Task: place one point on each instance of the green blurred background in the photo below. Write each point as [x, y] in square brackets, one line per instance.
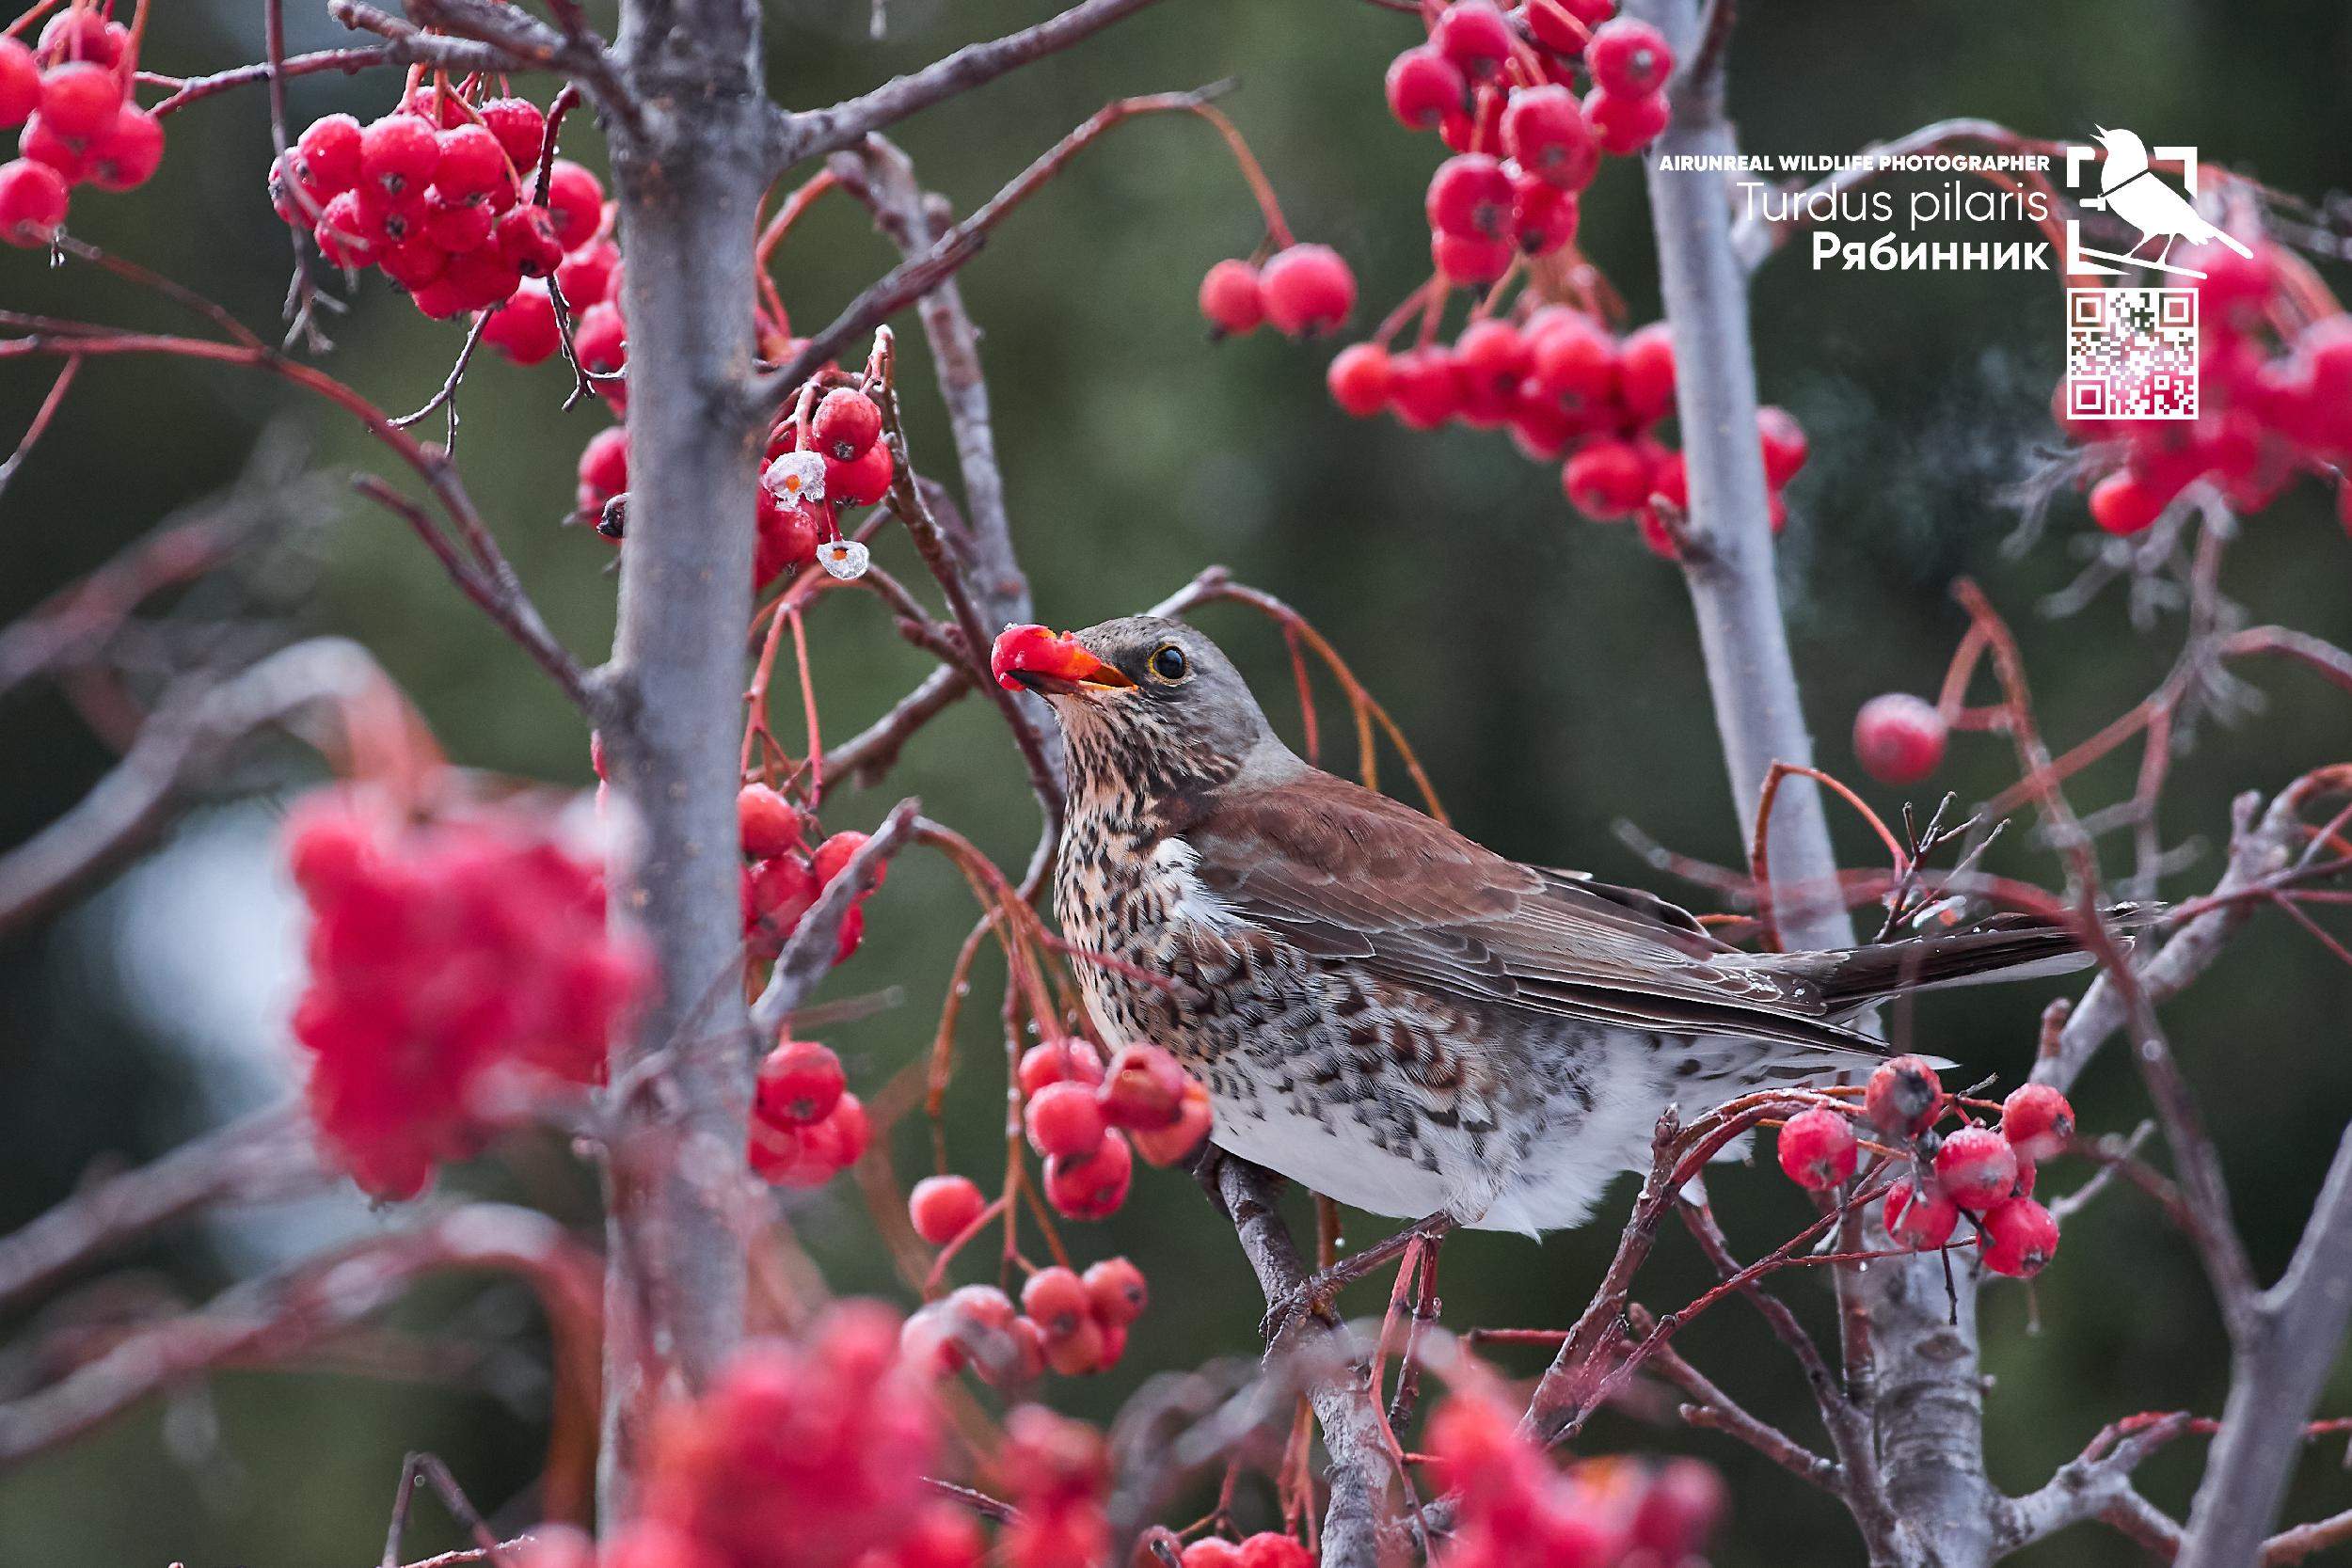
[1543, 667]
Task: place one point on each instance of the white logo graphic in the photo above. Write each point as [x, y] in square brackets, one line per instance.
[2130, 189]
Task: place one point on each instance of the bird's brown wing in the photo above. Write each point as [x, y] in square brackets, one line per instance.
[1350, 875]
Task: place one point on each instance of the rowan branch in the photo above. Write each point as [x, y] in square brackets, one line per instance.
[2085, 1487]
[809, 953]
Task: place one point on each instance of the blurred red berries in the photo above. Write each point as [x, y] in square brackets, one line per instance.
[1898, 738]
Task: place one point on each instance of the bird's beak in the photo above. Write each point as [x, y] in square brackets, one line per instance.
[1030, 658]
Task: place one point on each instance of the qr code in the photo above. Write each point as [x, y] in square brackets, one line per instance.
[2131, 353]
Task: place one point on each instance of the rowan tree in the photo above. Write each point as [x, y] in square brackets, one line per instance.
[643, 970]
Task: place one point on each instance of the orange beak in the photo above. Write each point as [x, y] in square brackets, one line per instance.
[1030, 658]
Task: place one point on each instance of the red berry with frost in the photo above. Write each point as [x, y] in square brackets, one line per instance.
[863, 480]
[398, 154]
[586, 275]
[1116, 1293]
[2020, 1237]
[2125, 502]
[1470, 196]
[1425, 87]
[526, 242]
[1645, 373]
[328, 157]
[1464, 260]
[1902, 1095]
[1091, 1188]
[2037, 1121]
[471, 161]
[846, 424]
[600, 340]
[1543, 218]
[1784, 443]
[575, 203]
[1144, 1090]
[1358, 379]
[457, 224]
[768, 825]
[1056, 1300]
[1920, 1224]
[524, 328]
[1622, 125]
[1070, 1060]
[1817, 1149]
[1629, 58]
[1544, 132]
[1475, 36]
[342, 234]
[1976, 1167]
[1269, 1549]
[799, 1082]
[80, 100]
[1606, 481]
[1898, 738]
[32, 203]
[1308, 289]
[943, 1207]
[519, 128]
[1065, 1119]
[1231, 299]
[20, 83]
[1424, 387]
[832, 857]
[1167, 1144]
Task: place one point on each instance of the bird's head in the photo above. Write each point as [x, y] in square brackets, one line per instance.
[1143, 698]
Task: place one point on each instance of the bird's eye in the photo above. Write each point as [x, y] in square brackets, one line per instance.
[1169, 663]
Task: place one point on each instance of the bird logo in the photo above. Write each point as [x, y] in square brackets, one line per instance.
[2130, 189]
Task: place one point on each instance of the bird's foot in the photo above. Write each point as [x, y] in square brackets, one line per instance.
[1313, 1296]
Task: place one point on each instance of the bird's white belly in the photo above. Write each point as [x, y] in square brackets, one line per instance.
[1334, 1155]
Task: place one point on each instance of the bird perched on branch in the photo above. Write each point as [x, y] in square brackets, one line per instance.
[1382, 1009]
[2129, 188]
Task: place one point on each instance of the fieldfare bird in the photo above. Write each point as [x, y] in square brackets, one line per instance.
[1381, 1009]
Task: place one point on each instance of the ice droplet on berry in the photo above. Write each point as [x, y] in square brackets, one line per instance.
[844, 558]
[798, 477]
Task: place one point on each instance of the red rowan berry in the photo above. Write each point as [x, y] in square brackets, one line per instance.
[526, 242]
[457, 224]
[768, 825]
[1492, 358]
[1469, 194]
[1056, 1300]
[1167, 1144]
[33, 201]
[1425, 87]
[1116, 1293]
[1541, 429]
[2019, 1238]
[20, 83]
[586, 275]
[1091, 1188]
[1269, 1549]
[519, 127]
[943, 1208]
[799, 1082]
[1543, 218]
[1629, 58]
[441, 299]
[1144, 1090]
[328, 157]
[787, 539]
[125, 155]
[481, 278]
[1077, 1353]
[1465, 261]
[1898, 738]
[1645, 373]
[604, 464]
[863, 480]
[1068, 1060]
[1358, 379]
[43, 143]
[80, 100]
[1920, 1224]
[1308, 289]
[471, 161]
[846, 424]
[777, 893]
[1684, 1503]
[1816, 1148]
[524, 328]
[1976, 1167]
[435, 104]
[1575, 362]
[1474, 35]
[1606, 481]
[1784, 443]
[1065, 1119]
[342, 232]
[1211, 1552]
[600, 340]
[832, 857]
[1902, 1097]
[2037, 1121]
[575, 203]
[1624, 126]
[2126, 502]
[82, 33]
[1544, 131]
[1231, 299]
[1424, 387]
[811, 1155]
[398, 154]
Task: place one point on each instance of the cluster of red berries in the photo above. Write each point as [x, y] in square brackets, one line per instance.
[785, 876]
[827, 455]
[1072, 1322]
[1516, 1509]
[443, 957]
[803, 1454]
[1088, 1122]
[1986, 1174]
[1265, 1549]
[2275, 390]
[435, 195]
[1305, 290]
[1057, 1472]
[806, 1127]
[72, 93]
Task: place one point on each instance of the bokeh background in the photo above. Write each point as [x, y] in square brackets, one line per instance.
[1545, 667]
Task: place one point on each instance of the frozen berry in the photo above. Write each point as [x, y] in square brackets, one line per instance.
[519, 128]
[1816, 1148]
[32, 203]
[327, 157]
[342, 232]
[1116, 1293]
[1425, 87]
[2037, 1121]
[943, 1207]
[1065, 1119]
[1976, 1167]
[1231, 299]
[1475, 36]
[2020, 1236]
[1358, 379]
[1920, 1224]
[1307, 289]
[471, 161]
[846, 424]
[1902, 1097]
[1898, 738]
[1211, 1552]
[398, 154]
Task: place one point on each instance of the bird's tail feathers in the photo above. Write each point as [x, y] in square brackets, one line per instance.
[2006, 947]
